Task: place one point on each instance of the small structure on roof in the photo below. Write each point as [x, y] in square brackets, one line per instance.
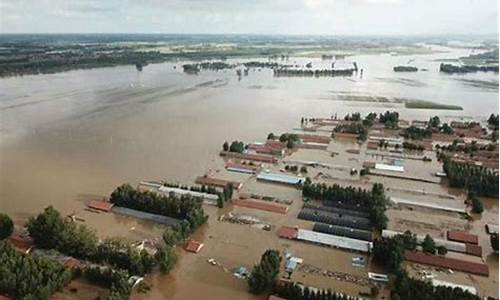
[193, 246]
[100, 205]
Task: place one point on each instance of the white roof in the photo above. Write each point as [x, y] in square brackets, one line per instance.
[166, 189]
[334, 240]
[492, 228]
[385, 167]
[427, 204]
[343, 65]
[466, 288]
[450, 245]
[279, 178]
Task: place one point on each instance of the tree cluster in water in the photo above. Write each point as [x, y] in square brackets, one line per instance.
[50, 231]
[375, 200]
[29, 277]
[263, 276]
[479, 180]
[183, 207]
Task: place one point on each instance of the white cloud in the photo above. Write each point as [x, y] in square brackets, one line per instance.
[348, 17]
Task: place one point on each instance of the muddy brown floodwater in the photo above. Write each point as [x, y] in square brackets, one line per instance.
[68, 137]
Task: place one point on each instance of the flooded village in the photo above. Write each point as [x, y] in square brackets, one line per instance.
[178, 182]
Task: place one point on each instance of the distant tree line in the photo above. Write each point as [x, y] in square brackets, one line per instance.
[405, 69]
[288, 72]
[450, 69]
[468, 148]
[293, 291]
[478, 180]
[375, 200]
[29, 277]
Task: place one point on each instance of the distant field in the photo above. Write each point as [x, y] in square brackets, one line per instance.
[421, 104]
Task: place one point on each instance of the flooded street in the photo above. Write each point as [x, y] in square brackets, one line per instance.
[68, 137]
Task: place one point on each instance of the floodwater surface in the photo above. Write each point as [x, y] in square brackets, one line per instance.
[68, 137]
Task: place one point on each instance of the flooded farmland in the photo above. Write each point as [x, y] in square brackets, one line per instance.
[69, 137]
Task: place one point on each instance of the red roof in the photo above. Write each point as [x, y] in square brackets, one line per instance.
[215, 182]
[242, 166]
[448, 263]
[247, 156]
[3, 297]
[262, 205]
[464, 237]
[346, 135]
[100, 205]
[475, 250]
[193, 246]
[23, 243]
[72, 263]
[315, 138]
[287, 232]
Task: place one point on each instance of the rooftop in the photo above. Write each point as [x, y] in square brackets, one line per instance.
[193, 246]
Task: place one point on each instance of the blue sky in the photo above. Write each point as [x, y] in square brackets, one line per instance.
[343, 17]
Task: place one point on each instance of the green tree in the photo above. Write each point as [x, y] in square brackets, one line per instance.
[494, 241]
[271, 136]
[237, 146]
[409, 240]
[225, 146]
[6, 226]
[389, 252]
[477, 204]
[166, 257]
[441, 250]
[263, 276]
[434, 122]
[428, 245]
